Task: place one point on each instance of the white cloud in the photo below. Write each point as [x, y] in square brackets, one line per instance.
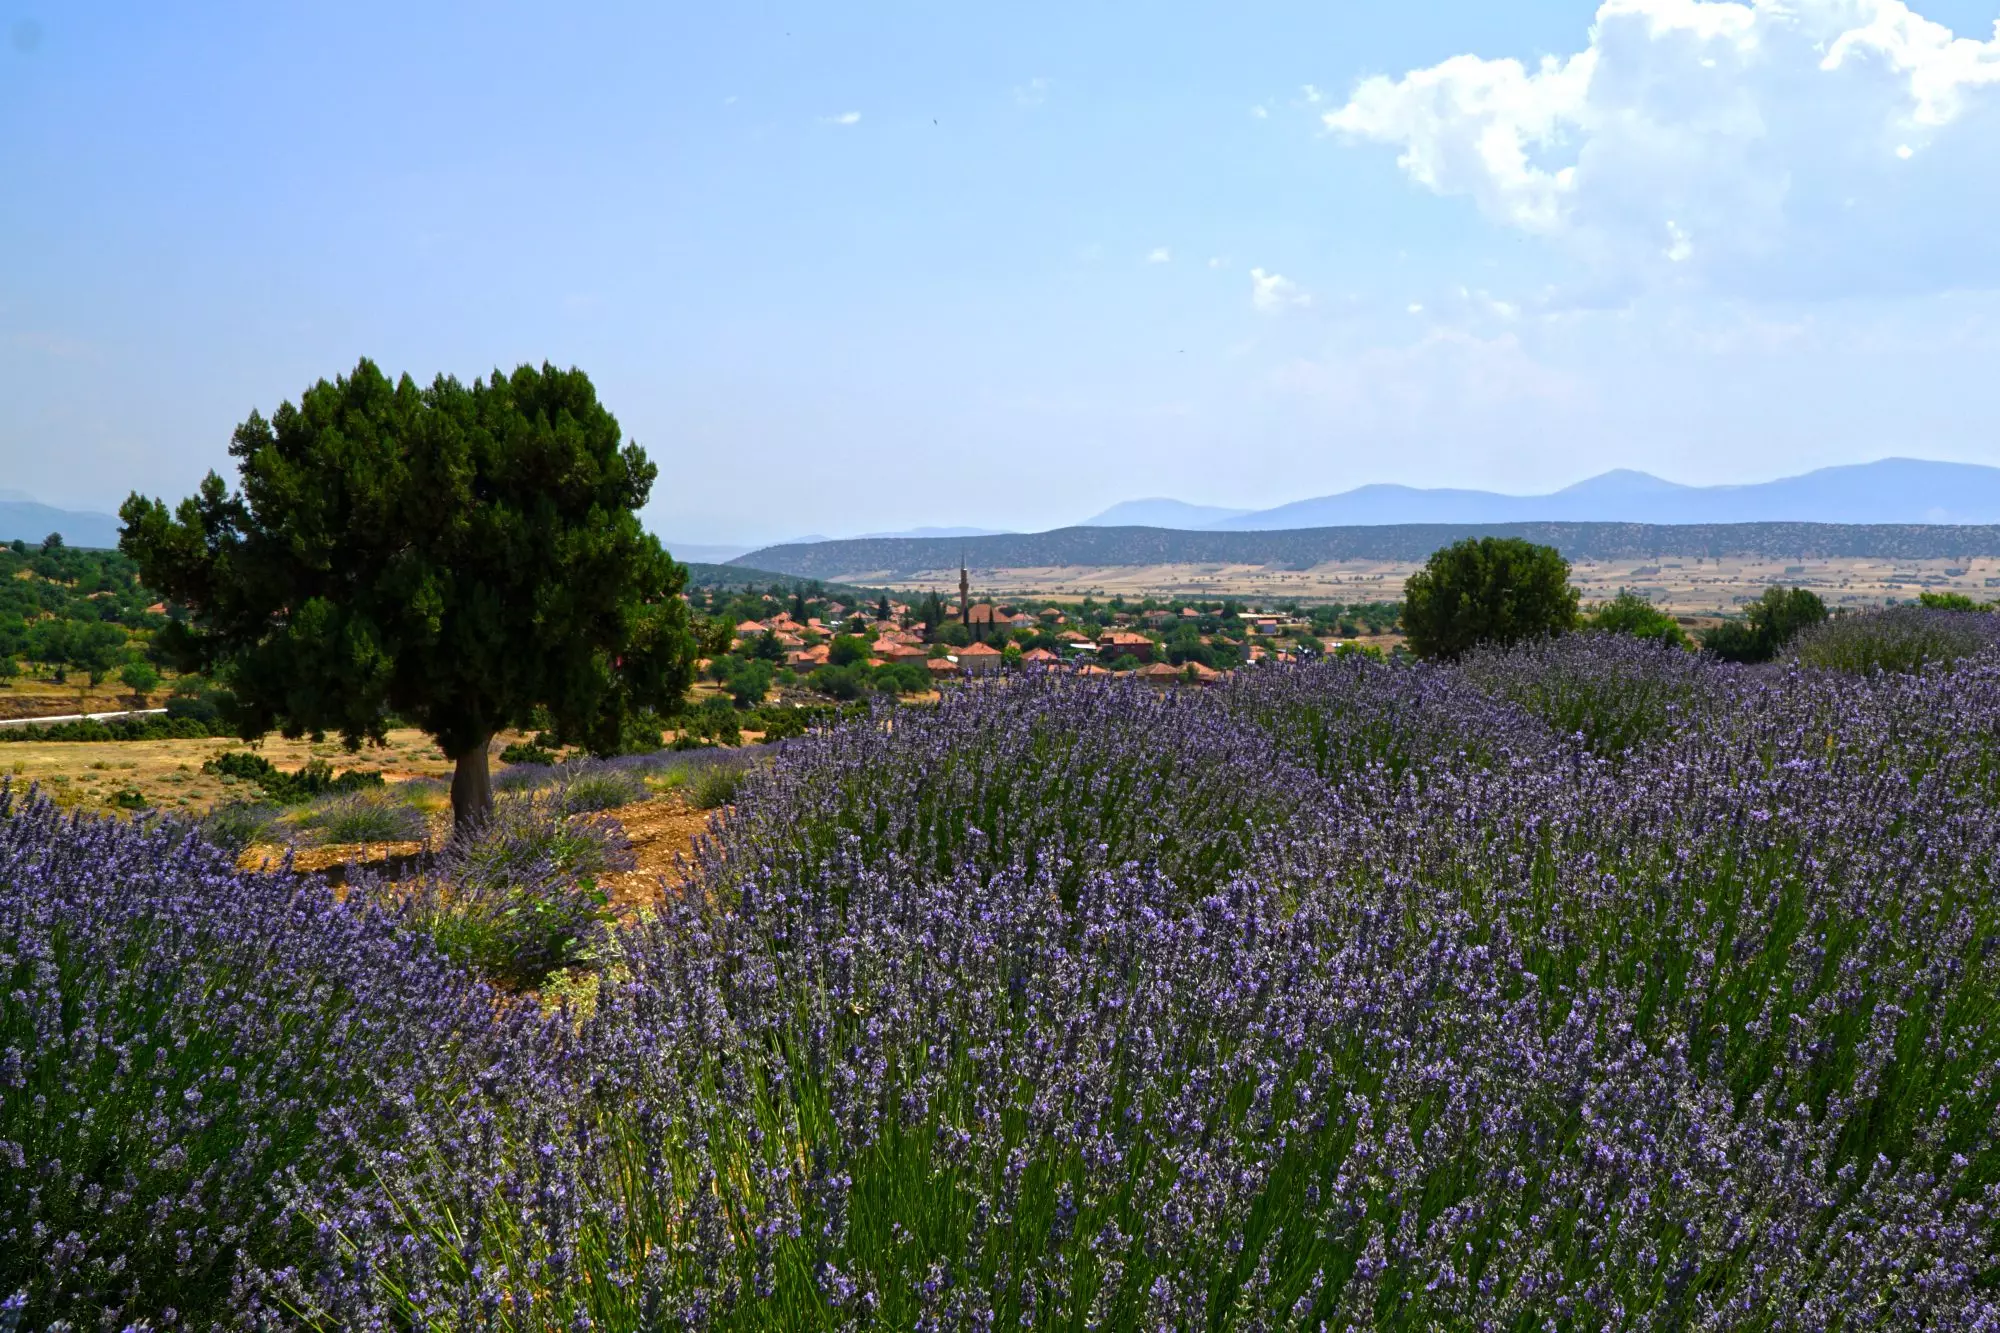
[1723, 138]
[1218, 261]
[1032, 93]
[1273, 293]
[844, 118]
[1259, 112]
[1159, 254]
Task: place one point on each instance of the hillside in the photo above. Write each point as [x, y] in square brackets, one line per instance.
[866, 559]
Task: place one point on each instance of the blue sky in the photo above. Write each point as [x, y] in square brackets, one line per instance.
[852, 267]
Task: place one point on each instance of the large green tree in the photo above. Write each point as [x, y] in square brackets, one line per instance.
[1497, 590]
[457, 555]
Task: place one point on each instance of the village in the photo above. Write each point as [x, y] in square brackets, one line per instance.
[934, 642]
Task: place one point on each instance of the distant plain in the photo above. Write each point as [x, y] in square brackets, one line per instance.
[1685, 587]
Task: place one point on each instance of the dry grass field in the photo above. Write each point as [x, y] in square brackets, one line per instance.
[1686, 587]
[168, 773]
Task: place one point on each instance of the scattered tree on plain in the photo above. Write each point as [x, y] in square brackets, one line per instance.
[1629, 613]
[455, 555]
[1768, 624]
[1487, 590]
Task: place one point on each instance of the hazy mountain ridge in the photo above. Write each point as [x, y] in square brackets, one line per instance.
[30, 521]
[1890, 490]
[871, 560]
[1160, 512]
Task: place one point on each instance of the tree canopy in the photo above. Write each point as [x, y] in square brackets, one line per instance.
[1629, 613]
[1498, 590]
[1768, 624]
[458, 555]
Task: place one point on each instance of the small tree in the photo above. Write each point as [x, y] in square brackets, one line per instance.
[1498, 590]
[50, 644]
[141, 678]
[10, 667]
[1768, 624]
[846, 650]
[97, 650]
[1629, 613]
[456, 555]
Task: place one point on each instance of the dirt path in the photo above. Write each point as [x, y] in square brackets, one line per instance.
[662, 833]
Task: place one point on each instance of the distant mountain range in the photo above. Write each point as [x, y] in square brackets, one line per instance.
[27, 520]
[1891, 490]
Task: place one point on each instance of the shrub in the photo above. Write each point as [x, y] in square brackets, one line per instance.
[359, 816]
[530, 837]
[1950, 601]
[519, 898]
[1487, 590]
[1768, 624]
[315, 778]
[237, 824]
[714, 786]
[1899, 638]
[715, 722]
[1629, 613]
[590, 789]
[526, 752]
[840, 683]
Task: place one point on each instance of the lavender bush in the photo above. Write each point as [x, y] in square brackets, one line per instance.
[1352, 996]
[518, 899]
[179, 1044]
[1898, 638]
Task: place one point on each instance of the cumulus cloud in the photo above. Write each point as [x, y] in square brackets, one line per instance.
[1274, 293]
[844, 118]
[1768, 141]
[1159, 254]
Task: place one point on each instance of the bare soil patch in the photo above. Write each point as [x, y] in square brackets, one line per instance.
[662, 833]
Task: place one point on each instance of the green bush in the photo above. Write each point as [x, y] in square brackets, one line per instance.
[600, 789]
[353, 817]
[526, 752]
[237, 824]
[1629, 613]
[715, 786]
[1768, 624]
[840, 682]
[316, 778]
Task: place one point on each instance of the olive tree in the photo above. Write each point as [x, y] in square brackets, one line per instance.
[457, 555]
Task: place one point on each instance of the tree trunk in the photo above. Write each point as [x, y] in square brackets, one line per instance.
[471, 790]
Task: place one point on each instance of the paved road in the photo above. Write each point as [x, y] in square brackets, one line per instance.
[79, 717]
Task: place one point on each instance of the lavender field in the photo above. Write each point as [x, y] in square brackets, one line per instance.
[1592, 986]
